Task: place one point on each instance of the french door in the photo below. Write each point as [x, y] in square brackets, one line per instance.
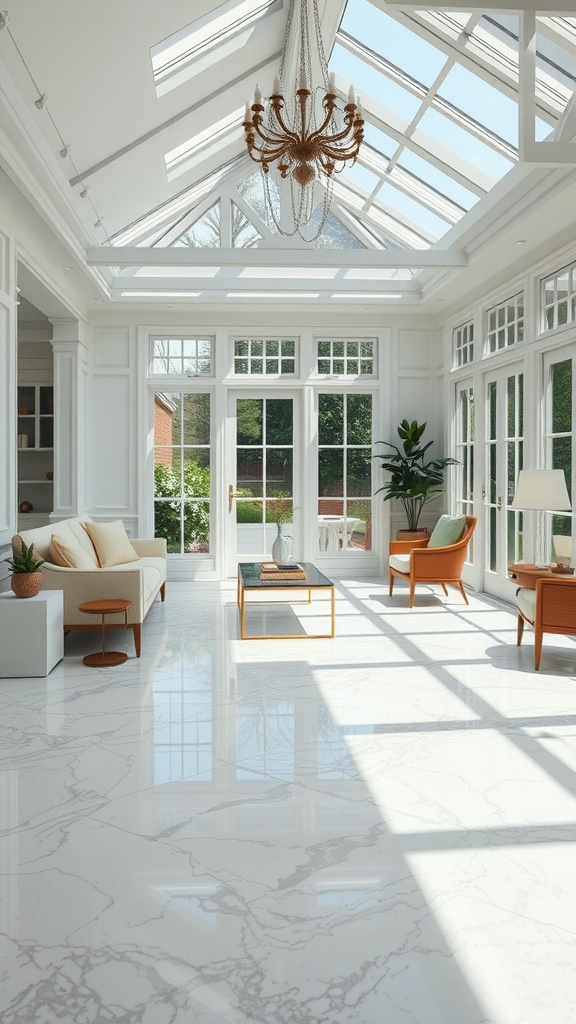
[262, 445]
[503, 458]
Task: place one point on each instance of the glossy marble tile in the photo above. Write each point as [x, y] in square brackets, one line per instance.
[375, 829]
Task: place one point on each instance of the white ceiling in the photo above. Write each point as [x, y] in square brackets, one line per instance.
[93, 62]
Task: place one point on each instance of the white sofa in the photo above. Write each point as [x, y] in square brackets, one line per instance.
[139, 581]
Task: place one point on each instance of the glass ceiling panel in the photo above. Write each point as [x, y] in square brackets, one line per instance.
[357, 175]
[369, 82]
[337, 236]
[556, 60]
[204, 234]
[420, 216]
[437, 179]
[461, 142]
[244, 234]
[379, 140]
[393, 41]
[488, 106]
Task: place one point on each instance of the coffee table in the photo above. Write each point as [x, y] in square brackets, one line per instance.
[249, 581]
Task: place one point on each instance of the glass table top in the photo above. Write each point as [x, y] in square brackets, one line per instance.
[250, 574]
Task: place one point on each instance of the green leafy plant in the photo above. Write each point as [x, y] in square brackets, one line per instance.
[25, 561]
[413, 482]
[192, 532]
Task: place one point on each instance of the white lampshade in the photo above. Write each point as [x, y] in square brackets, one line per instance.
[543, 490]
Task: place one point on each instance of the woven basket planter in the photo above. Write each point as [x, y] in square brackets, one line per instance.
[27, 584]
[411, 534]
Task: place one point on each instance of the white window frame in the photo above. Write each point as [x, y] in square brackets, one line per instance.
[331, 359]
[504, 324]
[182, 374]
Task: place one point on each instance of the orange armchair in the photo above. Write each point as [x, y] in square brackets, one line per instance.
[430, 565]
[550, 608]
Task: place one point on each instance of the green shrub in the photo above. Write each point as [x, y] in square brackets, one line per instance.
[195, 483]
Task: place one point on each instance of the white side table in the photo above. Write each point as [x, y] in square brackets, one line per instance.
[31, 633]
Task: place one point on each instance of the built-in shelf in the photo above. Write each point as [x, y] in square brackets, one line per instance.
[35, 446]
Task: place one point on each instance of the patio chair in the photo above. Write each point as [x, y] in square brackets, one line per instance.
[549, 608]
[418, 562]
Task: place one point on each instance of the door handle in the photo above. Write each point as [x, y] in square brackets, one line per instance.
[231, 495]
[499, 504]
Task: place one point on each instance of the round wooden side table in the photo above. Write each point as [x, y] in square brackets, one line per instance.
[106, 607]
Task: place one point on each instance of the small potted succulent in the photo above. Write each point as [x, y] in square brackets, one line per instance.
[24, 566]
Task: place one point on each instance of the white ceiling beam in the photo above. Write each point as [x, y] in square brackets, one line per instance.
[538, 6]
[158, 288]
[112, 256]
[527, 82]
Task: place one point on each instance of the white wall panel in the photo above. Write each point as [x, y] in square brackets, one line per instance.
[113, 469]
[414, 349]
[112, 348]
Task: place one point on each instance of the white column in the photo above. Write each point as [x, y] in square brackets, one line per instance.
[70, 378]
[8, 383]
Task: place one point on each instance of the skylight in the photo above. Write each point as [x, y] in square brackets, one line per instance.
[205, 143]
[174, 57]
[395, 43]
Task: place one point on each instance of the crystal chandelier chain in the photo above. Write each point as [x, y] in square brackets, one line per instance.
[303, 138]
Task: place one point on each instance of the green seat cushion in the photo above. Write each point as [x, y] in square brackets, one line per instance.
[447, 531]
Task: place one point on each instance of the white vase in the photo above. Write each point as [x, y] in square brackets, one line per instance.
[280, 547]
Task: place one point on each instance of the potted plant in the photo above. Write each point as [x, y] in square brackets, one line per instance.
[24, 566]
[412, 481]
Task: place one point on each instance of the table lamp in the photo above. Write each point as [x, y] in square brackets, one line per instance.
[541, 490]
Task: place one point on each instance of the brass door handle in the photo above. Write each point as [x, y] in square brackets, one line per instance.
[499, 504]
[231, 495]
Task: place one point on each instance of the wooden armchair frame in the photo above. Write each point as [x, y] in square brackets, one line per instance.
[432, 565]
[554, 611]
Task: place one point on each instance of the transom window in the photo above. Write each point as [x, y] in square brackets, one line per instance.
[505, 324]
[350, 357]
[185, 356]
[464, 344]
[559, 298]
[265, 356]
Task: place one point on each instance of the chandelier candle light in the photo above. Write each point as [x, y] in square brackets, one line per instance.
[305, 139]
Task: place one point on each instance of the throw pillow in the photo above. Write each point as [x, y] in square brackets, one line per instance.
[76, 527]
[111, 542]
[447, 531]
[65, 550]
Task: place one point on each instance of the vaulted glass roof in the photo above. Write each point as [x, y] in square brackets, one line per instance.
[440, 92]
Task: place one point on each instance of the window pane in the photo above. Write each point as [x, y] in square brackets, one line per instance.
[279, 412]
[196, 419]
[330, 419]
[331, 472]
[249, 421]
[359, 409]
[561, 374]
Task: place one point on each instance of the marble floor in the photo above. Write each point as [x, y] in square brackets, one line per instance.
[375, 829]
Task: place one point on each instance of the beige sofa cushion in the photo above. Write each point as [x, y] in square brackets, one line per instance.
[65, 550]
[111, 543]
[78, 528]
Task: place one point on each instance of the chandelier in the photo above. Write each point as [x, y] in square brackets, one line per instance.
[304, 137]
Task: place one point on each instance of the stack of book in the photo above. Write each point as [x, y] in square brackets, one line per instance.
[282, 571]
